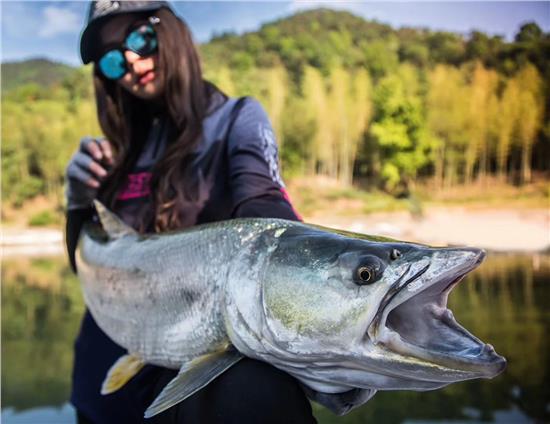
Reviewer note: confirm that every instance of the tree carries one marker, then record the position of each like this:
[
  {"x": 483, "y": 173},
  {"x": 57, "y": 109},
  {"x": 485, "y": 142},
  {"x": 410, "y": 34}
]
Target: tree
[
  {"x": 400, "y": 128},
  {"x": 531, "y": 112},
  {"x": 529, "y": 32},
  {"x": 315, "y": 94},
  {"x": 298, "y": 128},
  {"x": 360, "y": 112},
  {"x": 507, "y": 119},
  {"x": 447, "y": 119},
  {"x": 480, "y": 93},
  {"x": 276, "y": 93},
  {"x": 446, "y": 47},
  {"x": 339, "y": 100},
  {"x": 79, "y": 85},
  {"x": 415, "y": 52},
  {"x": 380, "y": 57},
  {"x": 222, "y": 77},
  {"x": 482, "y": 47}
]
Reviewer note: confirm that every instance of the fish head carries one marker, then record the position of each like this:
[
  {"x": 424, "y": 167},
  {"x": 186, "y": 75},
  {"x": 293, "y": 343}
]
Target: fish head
[{"x": 343, "y": 312}]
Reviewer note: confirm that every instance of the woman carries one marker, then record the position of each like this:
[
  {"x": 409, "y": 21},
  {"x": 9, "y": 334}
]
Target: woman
[{"x": 177, "y": 152}]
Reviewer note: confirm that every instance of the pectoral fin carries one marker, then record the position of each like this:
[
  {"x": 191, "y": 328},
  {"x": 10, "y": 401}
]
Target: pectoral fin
[
  {"x": 192, "y": 377},
  {"x": 120, "y": 373}
]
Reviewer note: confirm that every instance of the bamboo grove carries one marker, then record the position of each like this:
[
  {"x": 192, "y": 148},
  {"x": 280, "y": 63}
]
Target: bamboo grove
[{"x": 382, "y": 109}]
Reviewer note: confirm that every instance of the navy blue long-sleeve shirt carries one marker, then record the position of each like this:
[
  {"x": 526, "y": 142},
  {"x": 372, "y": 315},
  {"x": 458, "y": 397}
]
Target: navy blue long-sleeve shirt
[{"x": 236, "y": 167}]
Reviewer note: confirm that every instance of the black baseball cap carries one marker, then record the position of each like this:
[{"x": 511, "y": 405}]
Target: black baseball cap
[{"x": 101, "y": 10}]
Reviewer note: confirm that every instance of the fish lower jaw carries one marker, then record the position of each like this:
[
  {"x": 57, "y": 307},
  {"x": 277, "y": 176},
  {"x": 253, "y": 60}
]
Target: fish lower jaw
[
  {"x": 450, "y": 352},
  {"x": 417, "y": 326}
]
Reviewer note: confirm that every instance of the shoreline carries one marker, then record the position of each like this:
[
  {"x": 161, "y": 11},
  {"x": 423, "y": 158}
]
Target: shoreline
[
  {"x": 31, "y": 242},
  {"x": 494, "y": 229},
  {"x": 501, "y": 230}
]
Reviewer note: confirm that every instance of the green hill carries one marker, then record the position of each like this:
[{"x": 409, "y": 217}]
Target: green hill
[
  {"x": 43, "y": 72},
  {"x": 323, "y": 38}
]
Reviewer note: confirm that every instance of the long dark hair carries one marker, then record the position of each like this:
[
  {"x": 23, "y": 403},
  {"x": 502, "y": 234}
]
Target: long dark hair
[{"x": 125, "y": 121}]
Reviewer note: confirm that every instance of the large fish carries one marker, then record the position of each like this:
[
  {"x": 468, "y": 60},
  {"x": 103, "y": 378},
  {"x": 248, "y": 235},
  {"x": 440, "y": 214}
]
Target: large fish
[{"x": 345, "y": 314}]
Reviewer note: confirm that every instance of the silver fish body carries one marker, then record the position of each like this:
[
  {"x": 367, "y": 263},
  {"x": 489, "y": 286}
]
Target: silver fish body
[
  {"x": 162, "y": 297},
  {"x": 345, "y": 314}
]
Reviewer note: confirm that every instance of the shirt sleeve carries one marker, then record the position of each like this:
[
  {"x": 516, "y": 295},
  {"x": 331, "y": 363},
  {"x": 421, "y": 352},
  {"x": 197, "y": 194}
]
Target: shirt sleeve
[{"x": 256, "y": 185}]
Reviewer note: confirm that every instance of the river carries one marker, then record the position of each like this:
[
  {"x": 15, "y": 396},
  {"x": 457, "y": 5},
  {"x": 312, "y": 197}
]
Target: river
[{"x": 506, "y": 302}]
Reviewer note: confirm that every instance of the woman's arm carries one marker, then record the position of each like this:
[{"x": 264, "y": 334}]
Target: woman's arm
[{"x": 256, "y": 185}]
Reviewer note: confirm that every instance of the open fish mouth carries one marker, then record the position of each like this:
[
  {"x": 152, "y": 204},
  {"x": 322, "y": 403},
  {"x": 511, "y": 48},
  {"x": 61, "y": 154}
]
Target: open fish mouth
[{"x": 413, "y": 320}]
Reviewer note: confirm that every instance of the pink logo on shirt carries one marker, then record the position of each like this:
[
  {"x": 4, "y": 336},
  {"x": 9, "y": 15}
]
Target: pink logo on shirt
[{"x": 137, "y": 185}]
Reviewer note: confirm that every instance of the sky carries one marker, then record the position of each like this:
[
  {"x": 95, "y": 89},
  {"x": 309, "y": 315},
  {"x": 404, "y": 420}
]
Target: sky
[{"x": 51, "y": 29}]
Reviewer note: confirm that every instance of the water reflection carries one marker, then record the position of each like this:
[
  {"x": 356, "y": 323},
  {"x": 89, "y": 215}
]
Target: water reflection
[
  {"x": 505, "y": 303},
  {"x": 41, "y": 310}
]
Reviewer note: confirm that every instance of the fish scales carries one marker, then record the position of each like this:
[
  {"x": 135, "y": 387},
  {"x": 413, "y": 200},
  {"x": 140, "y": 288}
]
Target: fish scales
[{"x": 141, "y": 292}]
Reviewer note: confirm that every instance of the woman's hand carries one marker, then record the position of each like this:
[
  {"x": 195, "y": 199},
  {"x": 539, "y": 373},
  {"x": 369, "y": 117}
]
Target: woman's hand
[{"x": 86, "y": 171}]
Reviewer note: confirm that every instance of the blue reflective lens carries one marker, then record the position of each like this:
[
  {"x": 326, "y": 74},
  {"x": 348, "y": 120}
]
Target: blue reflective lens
[
  {"x": 142, "y": 40},
  {"x": 113, "y": 64}
]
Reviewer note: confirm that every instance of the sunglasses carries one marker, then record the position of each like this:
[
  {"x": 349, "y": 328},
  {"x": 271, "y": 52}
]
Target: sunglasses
[{"x": 141, "y": 40}]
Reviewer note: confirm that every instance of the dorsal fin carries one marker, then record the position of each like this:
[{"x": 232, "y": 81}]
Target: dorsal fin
[{"x": 111, "y": 223}]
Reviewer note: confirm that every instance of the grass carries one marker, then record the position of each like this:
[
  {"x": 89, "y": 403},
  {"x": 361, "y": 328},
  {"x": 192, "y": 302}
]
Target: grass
[
  {"x": 490, "y": 193},
  {"x": 40, "y": 211},
  {"x": 321, "y": 196},
  {"x": 44, "y": 219}
]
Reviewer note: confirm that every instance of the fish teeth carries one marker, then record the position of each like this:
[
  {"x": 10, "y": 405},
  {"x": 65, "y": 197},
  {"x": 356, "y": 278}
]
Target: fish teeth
[
  {"x": 448, "y": 316},
  {"x": 437, "y": 311},
  {"x": 442, "y": 313},
  {"x": 488, "y": 349}
]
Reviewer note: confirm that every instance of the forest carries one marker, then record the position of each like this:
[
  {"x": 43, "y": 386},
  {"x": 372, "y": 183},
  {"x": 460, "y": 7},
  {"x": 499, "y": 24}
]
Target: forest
[{"x": 356, "y": 101}]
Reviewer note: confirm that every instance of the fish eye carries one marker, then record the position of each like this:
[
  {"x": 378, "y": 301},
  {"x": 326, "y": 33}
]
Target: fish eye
[
  {"x": 364, "y": 275},
  {"x": 365, "y": 269},
  {"x": 395, "y": 254}
]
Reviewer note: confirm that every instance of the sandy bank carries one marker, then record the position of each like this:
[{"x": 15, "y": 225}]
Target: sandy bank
[
  {"x": 20, "y": 241},
  {"x": 492, "y": 229},
  {"x": 498, "y": 230}
]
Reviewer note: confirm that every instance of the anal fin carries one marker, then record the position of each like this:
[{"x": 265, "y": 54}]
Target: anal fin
[
  {"x": 192, "y": 377},
  {"x": 121, "y": 372}
]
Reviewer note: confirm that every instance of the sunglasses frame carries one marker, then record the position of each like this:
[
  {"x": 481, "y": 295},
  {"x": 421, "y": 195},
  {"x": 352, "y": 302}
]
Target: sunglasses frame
[{"x": 151, "y": 22}]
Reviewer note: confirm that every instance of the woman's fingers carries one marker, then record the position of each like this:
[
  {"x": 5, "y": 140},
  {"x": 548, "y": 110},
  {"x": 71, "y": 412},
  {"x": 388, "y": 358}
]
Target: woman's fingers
[
  {"x": 97, "y": 169},
  {"x": 90, "y": 182},
  {"x": 86, "y": 170},
  {"x": 90, "y": 146},
  {"x": 107, "y": 150},
  {"x": 99, "y": 149},
  {"x": 76, "y": 172}
]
